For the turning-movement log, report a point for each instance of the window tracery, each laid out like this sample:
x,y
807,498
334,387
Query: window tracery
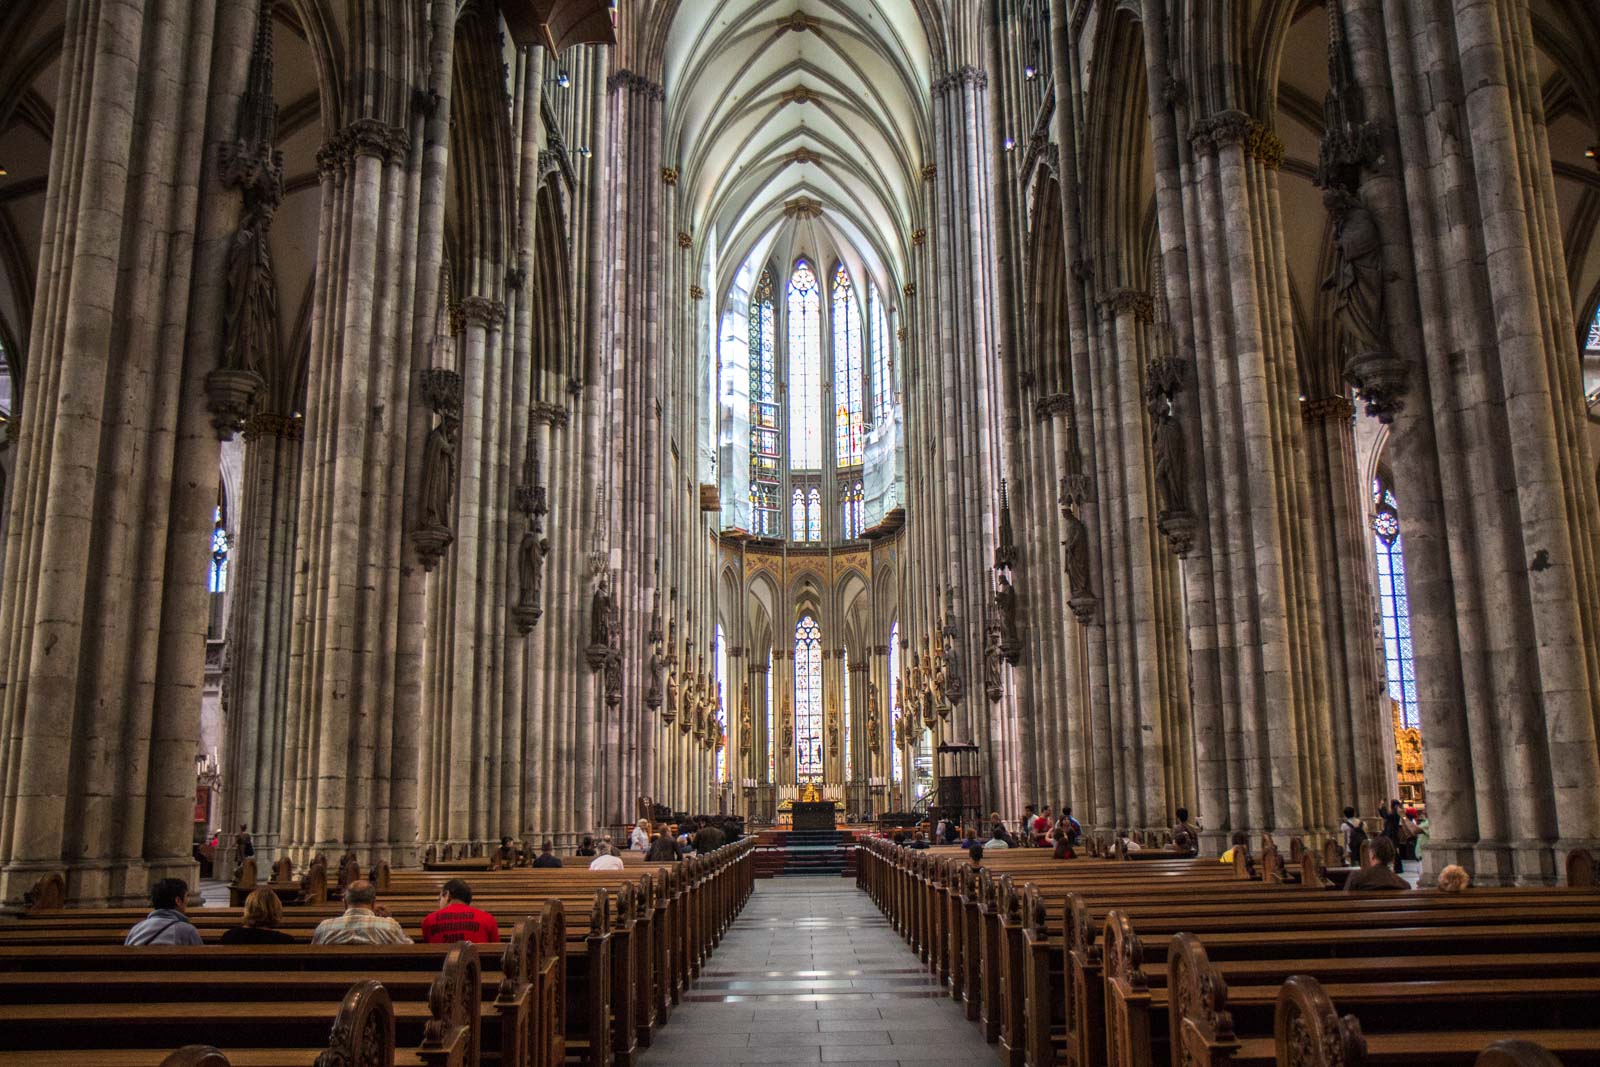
x,y
808,699
805,368
850,435
881,389
764,456
896,758
1394,607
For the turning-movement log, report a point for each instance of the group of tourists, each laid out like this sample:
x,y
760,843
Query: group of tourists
x,y
364,921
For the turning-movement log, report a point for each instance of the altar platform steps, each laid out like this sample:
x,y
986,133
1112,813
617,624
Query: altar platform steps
x,y
805,853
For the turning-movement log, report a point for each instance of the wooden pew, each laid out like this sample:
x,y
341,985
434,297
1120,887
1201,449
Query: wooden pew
x,y
442,1026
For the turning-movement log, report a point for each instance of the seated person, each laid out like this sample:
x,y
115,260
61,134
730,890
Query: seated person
x,y
547,856
969,838
1185,835
263,914
1454,879
457,920
1377,872
362,922
586,848
608,860
975,857
920,841
663,849
998,838
1063,851
505,857
168,922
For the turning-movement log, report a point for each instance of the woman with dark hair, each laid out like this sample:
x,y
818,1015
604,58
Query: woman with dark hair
x,y
587,848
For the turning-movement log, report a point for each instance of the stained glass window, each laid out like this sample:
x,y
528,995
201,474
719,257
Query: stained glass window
x,y
217,581
808,699
805,369
764,516
852,508
797,516
1394,609
5,382
850,434
814,515
882,392
896,760
1594,333
846,706
722,704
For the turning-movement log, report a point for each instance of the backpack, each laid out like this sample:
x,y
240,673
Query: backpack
x,y
1074,831
1358,837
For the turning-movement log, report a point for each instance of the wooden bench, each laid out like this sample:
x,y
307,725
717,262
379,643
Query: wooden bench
x,y
272,1019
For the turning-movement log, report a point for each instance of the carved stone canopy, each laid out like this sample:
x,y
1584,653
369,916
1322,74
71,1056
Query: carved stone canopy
x,y
559,24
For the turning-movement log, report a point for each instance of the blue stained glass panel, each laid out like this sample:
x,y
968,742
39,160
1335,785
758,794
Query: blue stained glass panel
x,y
808,699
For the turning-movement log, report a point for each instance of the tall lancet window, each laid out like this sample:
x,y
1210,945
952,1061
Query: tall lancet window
x,y
764,513
852,511
1394,608
1594,333
850,433
814,515
217,578
797,515
897,768
722,703
882,391
808,699
805,369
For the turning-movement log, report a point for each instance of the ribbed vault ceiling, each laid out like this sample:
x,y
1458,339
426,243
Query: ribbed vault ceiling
x,y
825,100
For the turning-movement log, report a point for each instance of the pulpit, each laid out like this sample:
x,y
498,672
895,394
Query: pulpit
x,y
814,815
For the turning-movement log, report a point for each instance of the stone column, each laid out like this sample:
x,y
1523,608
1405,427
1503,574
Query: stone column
x,y
355,683
103,608
1472,314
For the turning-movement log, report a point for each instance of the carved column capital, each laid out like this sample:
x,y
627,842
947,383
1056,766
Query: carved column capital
x,y
1327,407
369,137
267,424
1047,407
481,311
1135,302
550,414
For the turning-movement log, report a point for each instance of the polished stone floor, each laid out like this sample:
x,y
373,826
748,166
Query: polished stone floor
x,y
812,973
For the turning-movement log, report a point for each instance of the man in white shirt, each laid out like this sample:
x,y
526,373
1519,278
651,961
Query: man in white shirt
x,y
606,861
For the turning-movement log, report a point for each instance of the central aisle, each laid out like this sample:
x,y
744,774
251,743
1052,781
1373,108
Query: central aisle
x,y
810,972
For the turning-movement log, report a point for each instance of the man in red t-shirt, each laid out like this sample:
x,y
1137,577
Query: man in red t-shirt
x,y
458,920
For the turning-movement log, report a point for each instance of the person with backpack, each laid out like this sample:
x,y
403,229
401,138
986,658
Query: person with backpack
x,y
1353,835
1073,828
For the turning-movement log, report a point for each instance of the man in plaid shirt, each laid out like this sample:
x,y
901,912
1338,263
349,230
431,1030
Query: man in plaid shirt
x,y
361,924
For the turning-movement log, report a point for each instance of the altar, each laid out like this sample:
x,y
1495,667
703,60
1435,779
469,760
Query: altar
x,y
814,815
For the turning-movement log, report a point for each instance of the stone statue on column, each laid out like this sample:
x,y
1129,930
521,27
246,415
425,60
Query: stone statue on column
x,y
531,551
955,683
600,617
1350,148
1005,605
658,667
441,389
252,164
1164,379
993,655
